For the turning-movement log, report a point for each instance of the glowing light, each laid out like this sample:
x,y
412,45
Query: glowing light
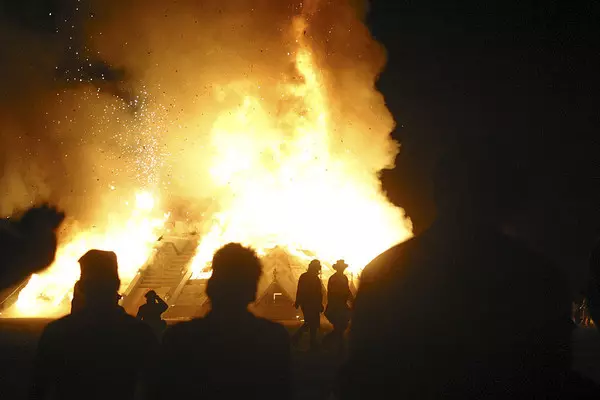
x,y
132,239
144,201
283,157
301,198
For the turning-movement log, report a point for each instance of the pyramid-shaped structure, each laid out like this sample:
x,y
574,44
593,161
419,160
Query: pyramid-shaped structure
x,y
275,303
187,298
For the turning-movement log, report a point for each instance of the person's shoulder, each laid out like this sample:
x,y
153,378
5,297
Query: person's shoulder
x,y
385,263
126,318
60,325
134,324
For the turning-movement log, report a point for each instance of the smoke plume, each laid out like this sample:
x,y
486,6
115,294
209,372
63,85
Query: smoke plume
x,y
129,95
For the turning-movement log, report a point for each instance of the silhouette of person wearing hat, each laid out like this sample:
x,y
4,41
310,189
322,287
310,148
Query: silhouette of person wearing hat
x,y
338,311
151,311
98,351
230,352
309,297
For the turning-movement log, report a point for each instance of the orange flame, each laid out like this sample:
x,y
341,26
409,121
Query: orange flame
x,y
47,294
301,197
275,166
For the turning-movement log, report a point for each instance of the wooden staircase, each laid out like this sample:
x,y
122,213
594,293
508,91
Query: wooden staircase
x,y
164,273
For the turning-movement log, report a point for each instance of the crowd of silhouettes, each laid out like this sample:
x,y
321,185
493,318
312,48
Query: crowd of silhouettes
x,y
438,316
416,330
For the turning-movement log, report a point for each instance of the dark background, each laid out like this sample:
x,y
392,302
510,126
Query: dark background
x,y
521,74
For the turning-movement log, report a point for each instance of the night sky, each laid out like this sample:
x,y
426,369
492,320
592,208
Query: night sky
x,y
522,74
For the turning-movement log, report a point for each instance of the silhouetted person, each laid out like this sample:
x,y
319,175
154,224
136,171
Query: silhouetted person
x,y
309,297
98,351
230,353
440,316
28,244
151,311
338,311
78,300
593,291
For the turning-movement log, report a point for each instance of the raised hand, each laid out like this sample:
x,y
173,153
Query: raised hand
x,y
29,244
41,218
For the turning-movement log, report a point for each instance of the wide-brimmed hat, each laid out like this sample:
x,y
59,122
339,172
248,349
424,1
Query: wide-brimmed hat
x,y
339,265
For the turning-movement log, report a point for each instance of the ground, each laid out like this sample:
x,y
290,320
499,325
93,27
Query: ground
x,y
314,373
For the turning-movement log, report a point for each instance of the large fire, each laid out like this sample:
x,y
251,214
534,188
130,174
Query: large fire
x,y
131,239
303,197
293,164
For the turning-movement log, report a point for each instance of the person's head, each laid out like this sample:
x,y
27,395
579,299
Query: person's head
x,y
150,296
314,267
235,273
99,281
477,182
340,266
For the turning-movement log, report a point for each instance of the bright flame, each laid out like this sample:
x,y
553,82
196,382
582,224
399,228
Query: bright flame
x,y
132,239
144,201
286,188
294,166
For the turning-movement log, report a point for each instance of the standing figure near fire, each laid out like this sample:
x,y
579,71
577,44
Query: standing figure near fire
x,y
98,351
151,311
309,297
230,352
338,311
